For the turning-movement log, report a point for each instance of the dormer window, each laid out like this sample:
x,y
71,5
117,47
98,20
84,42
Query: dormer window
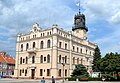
x,y
35,29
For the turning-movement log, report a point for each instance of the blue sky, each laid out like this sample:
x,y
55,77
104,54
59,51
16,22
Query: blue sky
x,y
102,20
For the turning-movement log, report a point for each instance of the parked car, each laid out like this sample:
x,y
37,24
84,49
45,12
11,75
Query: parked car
x,y
1,76
7,76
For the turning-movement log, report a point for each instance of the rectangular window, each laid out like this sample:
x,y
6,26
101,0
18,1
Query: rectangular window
x,y
41,70
26,72
86,51
77,49
33,59
81,50
73,48
90,52
77,60
65,72
48,72
65,46
60,44
20,72
23,71
44,58
59,72
23,60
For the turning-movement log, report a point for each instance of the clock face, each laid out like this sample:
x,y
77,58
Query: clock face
x,y
78,21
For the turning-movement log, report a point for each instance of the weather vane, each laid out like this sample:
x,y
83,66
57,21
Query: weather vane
x,y
78,4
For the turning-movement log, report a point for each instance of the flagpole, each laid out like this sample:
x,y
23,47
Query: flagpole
x,y
79,6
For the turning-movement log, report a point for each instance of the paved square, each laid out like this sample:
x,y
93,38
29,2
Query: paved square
x,y
5,80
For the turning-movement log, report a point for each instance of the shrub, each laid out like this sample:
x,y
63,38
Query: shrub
x,y
109,77
94,79
83,79
72,79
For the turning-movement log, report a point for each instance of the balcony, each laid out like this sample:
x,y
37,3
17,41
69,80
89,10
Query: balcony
x,y
32,50
33,66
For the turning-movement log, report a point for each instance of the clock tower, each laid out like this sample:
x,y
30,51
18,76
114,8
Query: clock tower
x,y
79,29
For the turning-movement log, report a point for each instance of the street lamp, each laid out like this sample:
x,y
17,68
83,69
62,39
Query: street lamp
x,y
63,68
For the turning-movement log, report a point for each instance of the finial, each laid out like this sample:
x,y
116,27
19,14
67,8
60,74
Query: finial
x,y
78,4
36,20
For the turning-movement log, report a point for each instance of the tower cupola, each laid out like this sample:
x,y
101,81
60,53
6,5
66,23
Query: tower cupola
x,y
79,22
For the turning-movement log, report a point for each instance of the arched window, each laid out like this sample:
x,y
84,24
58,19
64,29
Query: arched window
x,y
33,59
41,44
86,51
33,44
77,49
59,58
21,47
48,43
41,59
59,72
65,46
20,60
65,59
48,58
81,61
90,52
41,34
81,50
27,46
65,72
77,60
26,60
20,72
73,60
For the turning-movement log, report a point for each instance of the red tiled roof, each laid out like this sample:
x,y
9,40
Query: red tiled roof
x,y
2,59
9,59
2,53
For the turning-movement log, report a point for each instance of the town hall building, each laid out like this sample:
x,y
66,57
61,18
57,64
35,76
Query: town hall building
x,y
53,52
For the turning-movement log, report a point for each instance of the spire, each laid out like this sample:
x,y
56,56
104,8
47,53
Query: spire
x,y
79,6
79,20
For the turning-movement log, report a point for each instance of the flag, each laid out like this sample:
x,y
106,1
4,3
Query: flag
x,y
78,4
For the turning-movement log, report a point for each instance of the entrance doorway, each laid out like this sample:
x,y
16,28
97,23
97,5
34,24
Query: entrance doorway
x,y
32,73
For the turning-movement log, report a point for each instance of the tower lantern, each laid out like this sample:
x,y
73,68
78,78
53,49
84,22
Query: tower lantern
x,y
79,27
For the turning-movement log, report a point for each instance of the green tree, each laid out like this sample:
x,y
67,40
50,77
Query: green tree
x,y
110,63
96,58
80,71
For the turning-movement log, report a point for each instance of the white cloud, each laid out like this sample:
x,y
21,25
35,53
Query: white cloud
x,y
101,9
107,14
19,15
115,19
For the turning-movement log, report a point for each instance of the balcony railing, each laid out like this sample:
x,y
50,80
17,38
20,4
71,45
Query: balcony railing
x,y
31,66
30,50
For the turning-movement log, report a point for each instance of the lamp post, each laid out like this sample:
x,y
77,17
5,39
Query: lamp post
x,y
63,68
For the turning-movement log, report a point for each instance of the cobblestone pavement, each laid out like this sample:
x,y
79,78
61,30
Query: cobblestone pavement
x,y
5,80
